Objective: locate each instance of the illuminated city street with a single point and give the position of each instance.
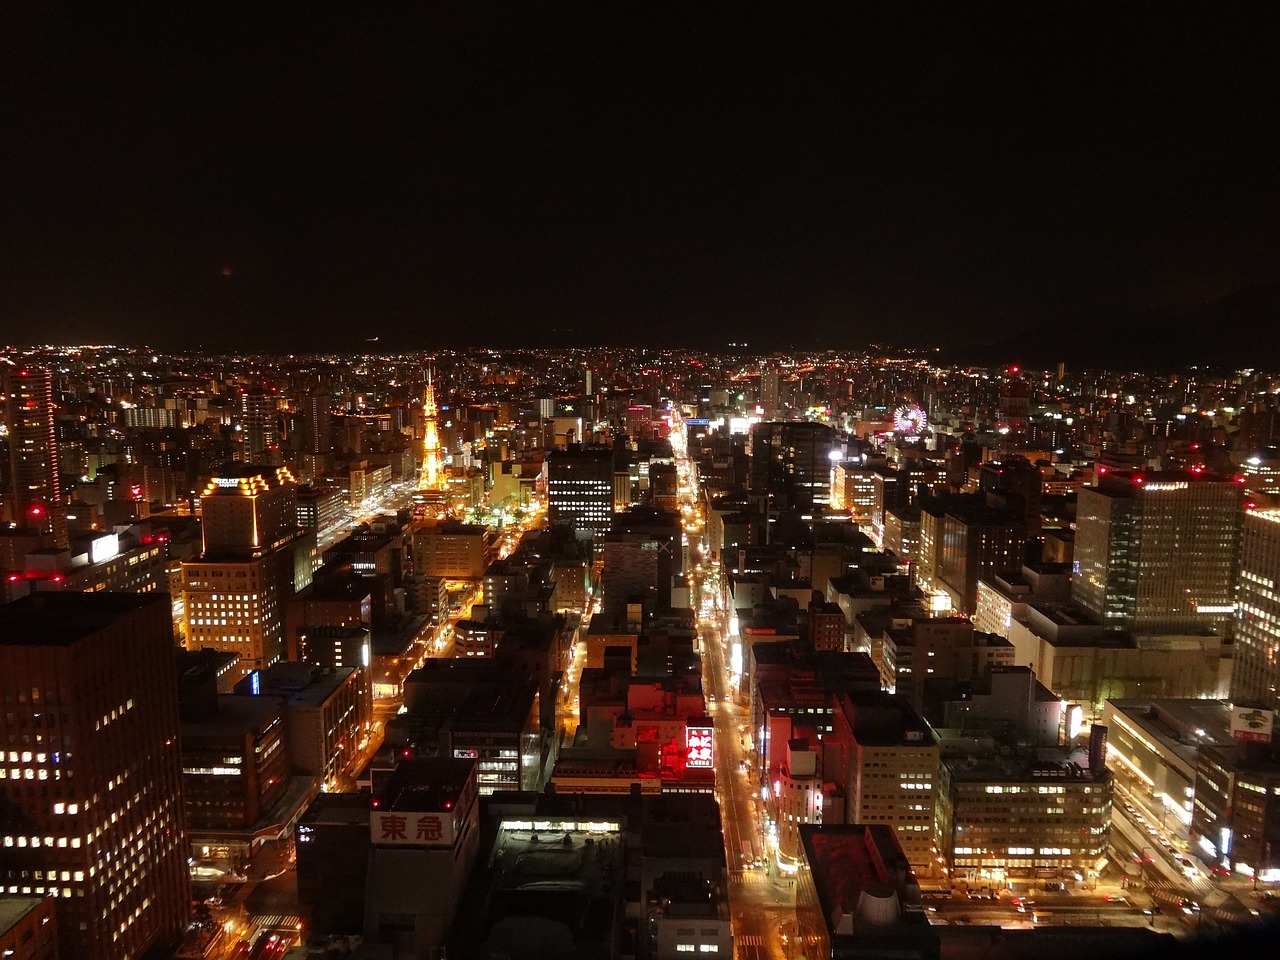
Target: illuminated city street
(780, 483)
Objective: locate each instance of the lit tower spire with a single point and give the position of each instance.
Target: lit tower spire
(431, 477)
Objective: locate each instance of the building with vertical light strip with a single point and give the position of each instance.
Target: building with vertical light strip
(35, 490)
(90, 777)
(254, 558)
(1256, 677)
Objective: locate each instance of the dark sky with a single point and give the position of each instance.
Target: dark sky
(522, 173)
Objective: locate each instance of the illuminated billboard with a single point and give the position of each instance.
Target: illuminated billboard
(1248, 723)
(700, 747)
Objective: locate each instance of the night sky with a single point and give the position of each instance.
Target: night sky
(522, 174)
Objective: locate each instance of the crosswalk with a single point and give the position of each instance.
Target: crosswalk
(279, 922)
(749, 876)
(749, 940)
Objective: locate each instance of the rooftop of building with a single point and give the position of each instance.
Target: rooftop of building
(862, 879)
(341, 809)
(471, 693)
(425, 783)
(981, 942)
(362, 543)
(1130, 483)
(13, 909)
(886, 719)
(395, 637)
(1181, 726)
(301, 684)
(335, 582)
(1038, 764)
(235, 716)
(449, 527)
(570, 875)
(246, 479)
(54, 619)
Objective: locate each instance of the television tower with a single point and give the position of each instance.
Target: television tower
(432, 475)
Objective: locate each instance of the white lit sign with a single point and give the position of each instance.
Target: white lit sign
(1075, 721)
(104, 548)
(226, 481)
(700, 744)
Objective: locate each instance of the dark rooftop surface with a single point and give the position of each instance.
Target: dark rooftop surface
(426, 783)
(61, 619)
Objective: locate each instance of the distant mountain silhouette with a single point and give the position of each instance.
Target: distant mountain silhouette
(1240, 330)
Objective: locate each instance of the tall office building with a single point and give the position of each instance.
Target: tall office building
(90, 794)
(1157, 552)
(254, 557)
(580, 489)
(36, 491)
(792, 461)
(316, 430)
(1256, 675)
(974, 541)
(259, 417)
(770, 379)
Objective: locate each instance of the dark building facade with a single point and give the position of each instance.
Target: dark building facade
(92, 793)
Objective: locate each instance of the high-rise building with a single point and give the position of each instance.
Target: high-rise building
(770, 378)
(316, 431)
(33, 452)
(792, 461)
(255, 556)
(259, 415)
(91, 792)
(580, 489)
(1256, 675)
(975, 541)
(1157, 552)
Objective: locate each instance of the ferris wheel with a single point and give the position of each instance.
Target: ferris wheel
(910, 421)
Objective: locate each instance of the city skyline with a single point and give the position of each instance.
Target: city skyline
(425, 632)
(528, 177)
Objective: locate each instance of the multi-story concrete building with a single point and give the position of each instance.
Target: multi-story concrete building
(1083, 662)
(1235, 817)
(826, 626)
(792, 461)
(976, 541)
(424, 832)
(451, 549)
(884, 759)
(1018, 817)
(909, 651)
(235, 765)
(1153, 748)
(326, 712)
(92, 771)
